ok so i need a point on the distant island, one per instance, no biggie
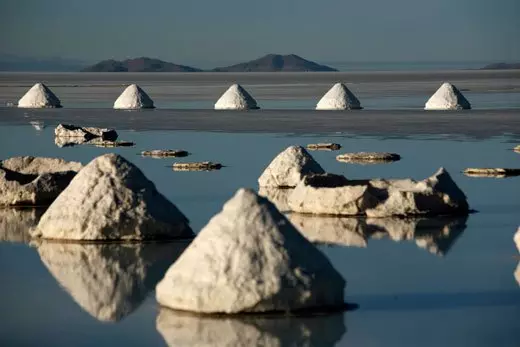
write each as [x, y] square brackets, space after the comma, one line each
[501, 66]
[267, 63]
[142, 64]
[275, 63]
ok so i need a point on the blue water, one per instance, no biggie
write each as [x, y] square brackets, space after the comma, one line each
[407, 296]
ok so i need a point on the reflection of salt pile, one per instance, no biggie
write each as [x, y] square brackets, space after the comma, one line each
[339, 97]
[132, 98]
[38, 125]
[331, 230]
[236, 98]
[447, 97]
[39, 96]
[184, 329]
[436, 235]
[109, 281]
[15, 223]
[517, 239]
[517, 274]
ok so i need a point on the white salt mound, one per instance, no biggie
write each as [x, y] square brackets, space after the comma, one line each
[39, 96]
[339, 97]
[288, 168]
[236, 98]
[447, 97]
[250, 258]
[110, 199]
[133, 98]
[335, 195]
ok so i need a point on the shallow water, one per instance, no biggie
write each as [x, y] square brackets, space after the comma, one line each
[447, 282]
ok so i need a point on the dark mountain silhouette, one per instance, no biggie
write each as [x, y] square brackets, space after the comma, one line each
[276, 62]
[501, 66]
[142, 64]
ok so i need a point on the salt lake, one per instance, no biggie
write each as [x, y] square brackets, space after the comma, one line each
[430, 282]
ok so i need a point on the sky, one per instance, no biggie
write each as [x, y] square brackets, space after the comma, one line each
[196, 32]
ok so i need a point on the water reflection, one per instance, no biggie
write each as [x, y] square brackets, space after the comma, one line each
[16, 222]
[517, 273]
[109, 281]
[436, 235]
[185, 329]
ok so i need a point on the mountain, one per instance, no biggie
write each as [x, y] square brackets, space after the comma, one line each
[142, 64]
[10, 62]
[501, 66]
[276, 62]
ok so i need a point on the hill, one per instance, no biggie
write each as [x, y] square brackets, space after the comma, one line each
[501, 66]
[274, 63]
[142, 64]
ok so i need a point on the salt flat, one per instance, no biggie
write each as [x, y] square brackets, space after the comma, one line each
[95, 89]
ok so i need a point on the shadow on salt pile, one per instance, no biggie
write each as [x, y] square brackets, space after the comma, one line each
[436, 235]
[15, 223]
[97, 142]
[109, 281]
[187, 329]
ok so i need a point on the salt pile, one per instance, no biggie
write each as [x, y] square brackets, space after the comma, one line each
[339, 97]
[447, 97]
[133, 98]
[250, 258]
[110, 199]
[236, 98]
[39, 96]
[288, 168]
[335, 195]
[30, 181]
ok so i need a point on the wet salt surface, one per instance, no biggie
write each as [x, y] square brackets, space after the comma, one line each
[406, 295]
[396, 90]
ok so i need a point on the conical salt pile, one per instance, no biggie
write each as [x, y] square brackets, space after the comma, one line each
[110, 199]
[236, 98]
[339, 97]
[250, 258]
[447, 97]
[288, 168]
[133, 98]
[39, 96]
